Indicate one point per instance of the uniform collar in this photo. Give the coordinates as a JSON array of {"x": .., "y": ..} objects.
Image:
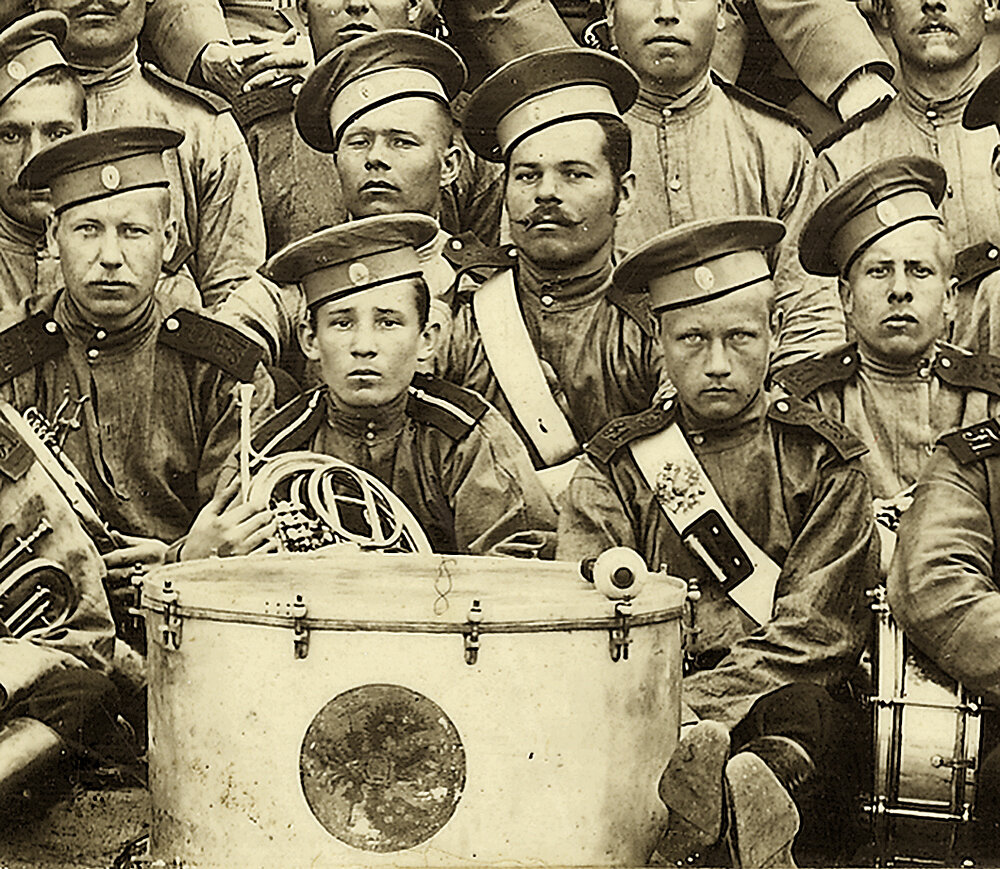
[
  {"x": 18, "y": 235},
  {"x": 581, "y": 283},
  {"x": 108, "y": 77},
  {"x": 367, "y": 423},
  {"x": 729, "y": 431},
  {"x": 948, "y": 110},
  {"x": 918, "y": 367},
  {"x": 98, "y": 341},
  {"x": 650, "y": 104}
]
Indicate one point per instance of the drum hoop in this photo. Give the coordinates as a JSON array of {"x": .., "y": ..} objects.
[{"x": 404, "y": 627}]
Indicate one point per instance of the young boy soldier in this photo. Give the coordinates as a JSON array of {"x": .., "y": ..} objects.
[
  {"x": 764, "y": 503},
  {"x": 450, "y": 457},
  {"x": 153, "y": 388},
  {"x": 899, "y": 385}
]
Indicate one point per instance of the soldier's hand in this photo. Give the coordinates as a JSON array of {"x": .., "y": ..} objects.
[
  {"x": 526, "y": 544},
  {"x": 121, "y": 563},
  {"x": 275, "y": 61},
  {"x": 226, "y": 526},
  {"x": 221, "y": 68}
]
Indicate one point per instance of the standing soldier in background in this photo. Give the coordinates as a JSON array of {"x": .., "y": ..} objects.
[{"x": 704, "y": 148}]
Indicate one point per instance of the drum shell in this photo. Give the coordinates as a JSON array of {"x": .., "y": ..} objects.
[{"x": 563, "y": 746}]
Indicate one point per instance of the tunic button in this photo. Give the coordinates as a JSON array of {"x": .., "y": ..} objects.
[
  {"x": 846, "y": 360},
  {"x": 512, "y": 252},
  {"x": 945, "y": 362},
  {"x": 931, "y": 114},
  {"x": 669, "y": 403},
  {"x": 172, "y": 324},
  {"x": 992, "y": 253},
  {"x": 100, "y": 335},
  {"x": 675, "y": 184},
  {"x": 666, "y": 113},
  {"x": 923, "y": 372},
  {"x": 698, "y": 439},
  {"x": 52, "y": 327},
  {"x": 93, "y": 353},
  {"x": 547, "y": 301},
  {"x": 456, "y": 244},
  {"x": 781, "y": 406},
  {"x": 370, "y": 435}
]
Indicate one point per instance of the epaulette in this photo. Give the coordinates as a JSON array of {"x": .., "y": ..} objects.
[
  {"x": 758, "y": 104},
  {"x": 803, "y": 378},
  {"x": 615, "y": 434},
  {"x": 466, "y": 251},
  {"x": 978, "y": 441},
  {"x": 502, "y": 257},
  {"x": 958, "y": 367},
  {"x": 291, "y": 427},
  {"x": 973, "y": 262},
  {"x": 855, "y": 121},
  {"x": 28, "y": 344},
  {"x": 254, "y": 105},
  {"x": 222, "y": 345},
  {"x": 636, "y": 305},
  {"x": 447, "y": 407},
  {"x": 213, "y": 102},
  {"x": 793, "y": 411}
]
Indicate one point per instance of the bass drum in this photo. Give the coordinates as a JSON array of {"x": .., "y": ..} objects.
[
  {"x": 359, "y": 709},
  {"x": 928, "y": 741}
]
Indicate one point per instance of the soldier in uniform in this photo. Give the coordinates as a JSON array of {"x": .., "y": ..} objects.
[
  {"x": 152, "y": 389},
  {"x": 214, "y": 196},
  {"x": 546, "y": 339},
  {"x": 451, "y": 458},
  {"x": 899, "y": 385},
  {"x": 939, "y": 55},
  {"x": 703, "y": 148},
  {"x": 763, "y": 501}
]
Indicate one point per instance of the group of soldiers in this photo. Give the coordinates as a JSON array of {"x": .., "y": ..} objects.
[{"x": 558, "y": 299}]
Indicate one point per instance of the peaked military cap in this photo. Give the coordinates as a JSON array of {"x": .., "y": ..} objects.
[
  {"x": 355, "y": 256},
  {"x": 544, "y": 88},
  {"x": 101, "y": 163},
  {"x": 369, "y": 72},
  {"x": 700, "y": 261},
  {"x": 30, "y": 46},
  {"x": 983, "y": 107},
  {"x": 875, "y": 201}
]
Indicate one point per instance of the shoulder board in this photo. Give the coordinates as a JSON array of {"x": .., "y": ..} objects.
[
  {"x": 28, "y": 344},
  {"x": 491, "y": 258},
  {"x": 466, "y": 251},
  {"x": 448, "y": 407},
  {"x": 222, "y": 345},
  {"x": 973, "y": 262},
  {"x": 615, "y": 434},
  {"x": 213, "y": 102},
  {"x": 291, "y": 427},
  {"x": 978, "y": 441},
  {"x": 855, "y": 121},
  {"x": 958, "y": 367},
  {"x": 761, "y": 105},
  {"x": 636, "y": 305},
  {"x": 261, "y": 102},
  {"x": 793, "y": 411},
  {"x": 803, "y": 378}
]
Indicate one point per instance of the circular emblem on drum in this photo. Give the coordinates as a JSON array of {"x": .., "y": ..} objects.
[{"x": 382, "y": 767}]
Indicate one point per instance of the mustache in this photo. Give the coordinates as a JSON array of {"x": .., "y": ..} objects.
[
  {"x": 547, "y": 215},
  {"x": 938, "y": 21},
  {"x": 107, "y": 7}
]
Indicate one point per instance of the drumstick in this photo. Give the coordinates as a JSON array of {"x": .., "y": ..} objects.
[{"x": 244, "y": 397}]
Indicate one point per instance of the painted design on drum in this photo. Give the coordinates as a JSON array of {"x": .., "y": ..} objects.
[{"x": 382, "y": 767}]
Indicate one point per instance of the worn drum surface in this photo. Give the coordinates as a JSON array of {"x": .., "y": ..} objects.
[{"x": 349, "y": 708}]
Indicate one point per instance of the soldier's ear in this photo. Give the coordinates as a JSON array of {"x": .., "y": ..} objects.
[
  {"x": 51, "y": 224},
  {"x": 950, "y": 306},
  {"x": 429, "y": 339},
  {"x": 170, "y": 240},
  {"x": 413, "y": 11},
  {"x": 626, "y": 194},
  {"x": 846, "y": 295},
  {"x": 451, "y": 162},
  {"x": 775, "y": 322},
  {"x": 307, "y": 337}
]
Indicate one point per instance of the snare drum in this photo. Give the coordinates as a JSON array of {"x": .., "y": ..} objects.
[
  {"x": 928, "y": 741},
  {"x": 351, "y": 708}
]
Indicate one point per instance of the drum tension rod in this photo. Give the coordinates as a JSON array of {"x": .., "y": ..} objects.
[
  {"x": 170, "y": 631},
  {"x": 301, "y": 641},
  {"x": 620, "y": 639},
  {"x": 471, "y": 633}
]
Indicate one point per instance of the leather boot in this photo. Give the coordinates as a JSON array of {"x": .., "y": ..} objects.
[
  {"x": 27, "y": 746},
  {"x": 763, "y": 820}
]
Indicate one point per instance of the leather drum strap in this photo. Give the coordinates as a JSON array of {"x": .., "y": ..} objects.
[
  {"x": 515, "y": 363},
  {"x": 698, "y": 515}
]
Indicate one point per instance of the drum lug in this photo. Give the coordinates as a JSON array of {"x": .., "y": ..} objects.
[
  {"x": 471, "y": 633},
  {"x": 301, "y": 641},
  {"x": 620, "y": 638},
  {"x": 170, "y": 630},
  {"x": 937, "y": 761}
]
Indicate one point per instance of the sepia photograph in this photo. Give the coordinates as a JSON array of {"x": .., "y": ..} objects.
[{"x": 499, "y": 433}]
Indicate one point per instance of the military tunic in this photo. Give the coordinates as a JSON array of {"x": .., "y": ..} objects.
[
  {"x": 213, "y": 186},
  {"x": 943, "y": 586},
  {"x": 450, "y": 458},
  {"x": 791, "y": 479},
  {"x": 600, "y": 352},
  {"x": 160, "y": 416},
  {"x": 898, "y": 412},
  {"x": 717, "y": 152},
  {"x": 910, "y": 124}
]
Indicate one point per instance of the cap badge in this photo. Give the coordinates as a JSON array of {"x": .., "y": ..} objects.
[
  {"x": 111, "y": 177},
  {"x": 887, "y": 213},
  {"x": 358, "y": 273},
  {"x": 16, "y": 70},
  {"x": 704, "y": 278}
]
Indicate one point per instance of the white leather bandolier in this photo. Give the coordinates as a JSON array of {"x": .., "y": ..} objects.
[{"x": 694, "y": 509}]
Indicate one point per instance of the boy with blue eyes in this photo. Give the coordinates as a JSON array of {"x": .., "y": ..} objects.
[
  {"x": 762, "y": 500},
  {"x": 899, "y": 385}
]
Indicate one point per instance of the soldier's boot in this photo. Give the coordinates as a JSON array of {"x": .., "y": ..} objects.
[
  {"x": 27, "y": 748},
  {"x": 763, "y": 819},
  {"x": 691, "y": 788}
]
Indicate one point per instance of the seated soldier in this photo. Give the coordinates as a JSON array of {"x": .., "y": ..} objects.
[
  {"x": 154, "y": 386},
  {"x": 899, "y": 386},
  {"x": 761, "y": 500},
  {"x": 451, "y": 458}
]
